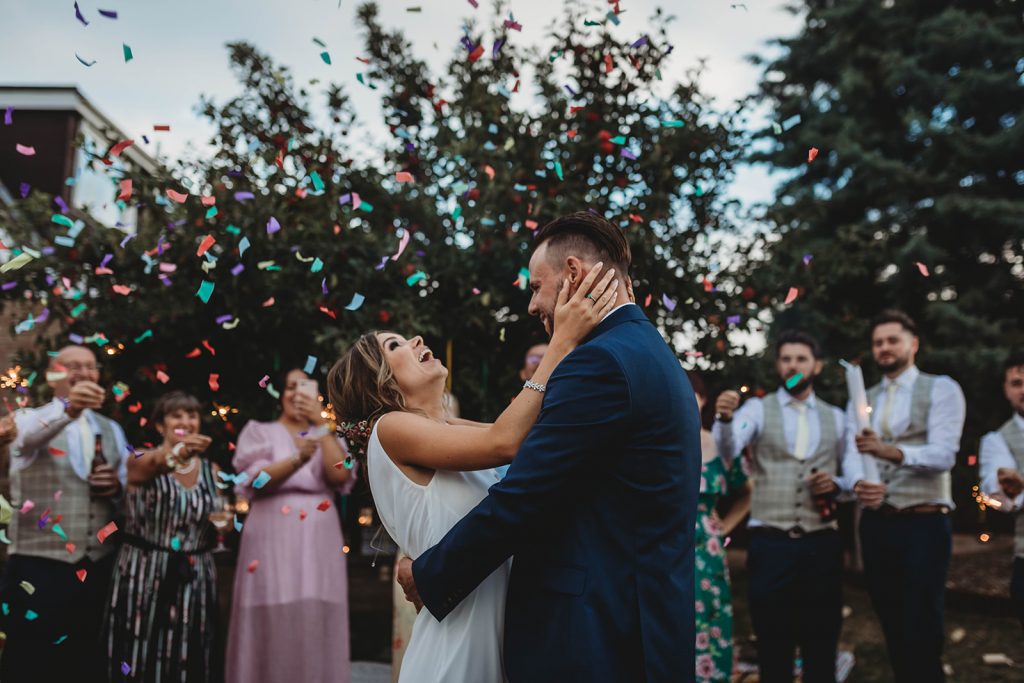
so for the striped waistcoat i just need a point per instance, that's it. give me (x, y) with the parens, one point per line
(906, 487)
(79, 516)
(1014, 438)
(781, 497)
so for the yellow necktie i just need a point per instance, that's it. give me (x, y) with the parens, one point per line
(886, 421)
(803, 431)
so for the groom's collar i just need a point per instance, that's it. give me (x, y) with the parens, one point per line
(623, 314)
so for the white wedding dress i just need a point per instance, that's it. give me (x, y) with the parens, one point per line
(465, 647)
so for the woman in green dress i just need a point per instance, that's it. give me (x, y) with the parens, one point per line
(713, 595)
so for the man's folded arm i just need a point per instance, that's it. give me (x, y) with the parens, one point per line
(585, 408)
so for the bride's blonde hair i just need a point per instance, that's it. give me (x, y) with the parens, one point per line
(362, 388)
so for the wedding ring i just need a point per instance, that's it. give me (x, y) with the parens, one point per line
(593, 301)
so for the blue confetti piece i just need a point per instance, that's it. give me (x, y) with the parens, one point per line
(669, 304)
(31, 615)
(357, 301)
(261, 480)
(310, 365)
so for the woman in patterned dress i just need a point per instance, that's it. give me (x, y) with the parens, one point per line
(163, 613)
(713, 595)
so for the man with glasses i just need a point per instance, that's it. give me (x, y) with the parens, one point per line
(68, 470)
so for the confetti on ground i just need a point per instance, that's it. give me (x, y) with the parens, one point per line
(106, 531)
(177, 196)
(261, 480)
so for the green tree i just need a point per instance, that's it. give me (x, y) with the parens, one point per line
(484, 176)
(914, 198)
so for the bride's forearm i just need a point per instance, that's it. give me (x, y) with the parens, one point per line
(515, 422)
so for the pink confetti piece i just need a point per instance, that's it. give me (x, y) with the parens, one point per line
(402, 244)
(791, 296)
(812, 154)
(120, 147)
(263, 382)
(25, 150)
(205, 245)
(106, 531)
(179, 197)
(922, 268)
(163, 377)
(403, 177)
(126, 190)
(26, 507)
(252, 566)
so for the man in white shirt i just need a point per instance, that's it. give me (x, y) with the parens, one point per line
(1002, 470)
(905, 531)
(803, 454)
(68, 471)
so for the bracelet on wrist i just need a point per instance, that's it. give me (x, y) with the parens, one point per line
(539, 388)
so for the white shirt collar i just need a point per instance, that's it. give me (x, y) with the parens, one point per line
(628, 303)
(905, 380)
(785, 398)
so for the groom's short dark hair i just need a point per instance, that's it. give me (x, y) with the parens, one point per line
(585, 234)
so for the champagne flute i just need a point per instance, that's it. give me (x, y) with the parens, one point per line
(221, 520)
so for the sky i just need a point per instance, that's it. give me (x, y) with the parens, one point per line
(179, 54)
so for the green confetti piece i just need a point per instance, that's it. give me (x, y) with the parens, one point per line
(31, 378)
(673, 124)
(272, 391)
(233, 229)
(211, 212)
(61, 219)
(558, 171)
(31, 615)
(317, 266)
(326, 57)
(366, 206)
(60, 532)
(145, 335)
(77, 310)
(205, 290)
(175, 544)
(457, 212)
(794, 380)
(524, 277)
(318, 184)
(6, 609)
(128, 56)
(618, 140)
(415, 277)
(60, 640)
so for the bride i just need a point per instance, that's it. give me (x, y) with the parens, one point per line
(426, 471)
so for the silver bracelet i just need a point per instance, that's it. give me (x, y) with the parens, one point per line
(536, 387)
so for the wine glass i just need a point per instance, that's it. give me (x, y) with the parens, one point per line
(221, 520)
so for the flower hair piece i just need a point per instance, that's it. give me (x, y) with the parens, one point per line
(357, 434)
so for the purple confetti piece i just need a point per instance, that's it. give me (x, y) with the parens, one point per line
(59, 201)
(237, 270)
(9, 116)
(50, 279)
(161, 245)
(76, 338)
(24, 189)
(166, 280)
(569, 89)
(125, 669)
(9, 285)
(669, 304)
(628, 154)
(273, 226)
(243, 196)
(467, 43)
(43, 316)
(420, 253)
(640, 43)
(127, 239)
(145, 139)
(106, 259)
(808, 258)
(78, 15)
(48, 251)
(221, 319)
(382, 263)
(733, 320)
(323, 286)
(110, 14)
(497, 46)
(343, 199)
(409, 147)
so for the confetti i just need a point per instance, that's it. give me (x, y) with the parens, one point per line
(205, 290)
(163, 376)
(108, 13)
(78, 15)
(125, 669)
(272, 226)
(177, 196)
(261, 480)
(9, 116)
(205, 245)
(31, 615)
(128, 56)
(403, 177)
(106, 531)
(922, 268)
(213, 381)
(27, 587)
(323, 505)
(357, 301)
(82, 574)
(310, 365)
(418, 276)
(791, 296)
(252, 566)
(812, 154)
(669, 304)
(794, 380)
(84, 62)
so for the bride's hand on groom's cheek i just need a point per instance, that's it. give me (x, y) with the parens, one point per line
(408, 584)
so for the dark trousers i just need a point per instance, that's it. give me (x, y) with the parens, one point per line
(906, 560)
(1017, 588)
(796, 599)
(62, 642)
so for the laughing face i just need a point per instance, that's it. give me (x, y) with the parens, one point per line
(178, 424)
(411, 361)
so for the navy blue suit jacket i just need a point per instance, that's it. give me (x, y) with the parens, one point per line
(598, 510)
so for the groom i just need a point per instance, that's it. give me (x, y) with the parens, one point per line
(598, 507)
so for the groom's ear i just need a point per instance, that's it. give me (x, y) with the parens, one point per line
(576, 273)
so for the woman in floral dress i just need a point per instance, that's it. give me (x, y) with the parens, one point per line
(713, 595)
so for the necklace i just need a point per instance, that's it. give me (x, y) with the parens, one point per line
(188, 468)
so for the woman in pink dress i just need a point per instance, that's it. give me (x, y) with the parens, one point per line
(289, 618)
